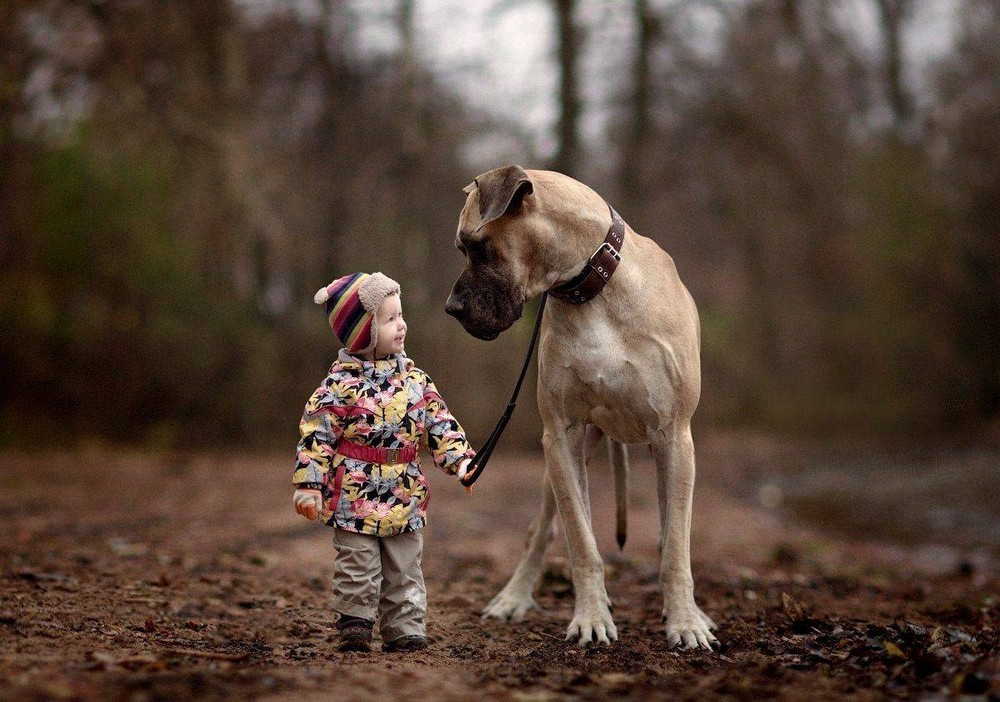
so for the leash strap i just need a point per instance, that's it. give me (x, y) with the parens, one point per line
(478, 464)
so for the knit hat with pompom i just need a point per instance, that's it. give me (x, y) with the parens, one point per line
(351, 303)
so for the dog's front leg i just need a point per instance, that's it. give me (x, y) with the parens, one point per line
(675, 470)
(517, 596)
(564, 459)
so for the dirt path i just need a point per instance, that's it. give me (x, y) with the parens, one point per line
(134, 577)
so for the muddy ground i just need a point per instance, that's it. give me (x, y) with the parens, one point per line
(126, 576)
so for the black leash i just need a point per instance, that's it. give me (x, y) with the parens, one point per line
(478, 464)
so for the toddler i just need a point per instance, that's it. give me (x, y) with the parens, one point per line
(357, 465)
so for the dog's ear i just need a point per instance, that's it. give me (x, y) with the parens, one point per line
(501, 190)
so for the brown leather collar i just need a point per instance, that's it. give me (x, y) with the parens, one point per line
(598, 269)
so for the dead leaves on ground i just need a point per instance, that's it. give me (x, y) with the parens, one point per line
(896, 656)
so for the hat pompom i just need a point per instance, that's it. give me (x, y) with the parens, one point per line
(321, 296)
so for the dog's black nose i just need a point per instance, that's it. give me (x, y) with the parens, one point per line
(454, 306)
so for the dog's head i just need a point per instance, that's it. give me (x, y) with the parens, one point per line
(495, 234)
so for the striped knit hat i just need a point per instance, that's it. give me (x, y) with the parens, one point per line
(351, 303)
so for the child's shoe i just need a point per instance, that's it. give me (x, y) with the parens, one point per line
(355, 634)
(405, 644)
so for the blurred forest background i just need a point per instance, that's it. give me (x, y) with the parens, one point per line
(178, 178)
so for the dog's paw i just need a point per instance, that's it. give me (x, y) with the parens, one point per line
(706, 620)
(592, 624)
(509, 606)
(690, 629)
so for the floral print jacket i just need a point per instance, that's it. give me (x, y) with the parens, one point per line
(387, 403)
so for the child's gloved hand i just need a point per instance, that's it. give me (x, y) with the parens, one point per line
(463, 469)
(308, 503)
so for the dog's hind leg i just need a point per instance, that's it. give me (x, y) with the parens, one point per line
(591, 440)
(618, 455)
(673, 451)
(517, 596)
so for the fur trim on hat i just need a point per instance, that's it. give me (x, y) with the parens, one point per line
(375, 289)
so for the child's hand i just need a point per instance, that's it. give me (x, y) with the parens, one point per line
(463, 469)
(308, 503)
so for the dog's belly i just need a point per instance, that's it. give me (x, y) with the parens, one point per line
(623, 427)
(618, 402)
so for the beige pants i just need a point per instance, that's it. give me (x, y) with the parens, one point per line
(381, 575)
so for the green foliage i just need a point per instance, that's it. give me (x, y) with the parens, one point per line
(117, 332)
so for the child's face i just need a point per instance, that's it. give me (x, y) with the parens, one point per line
(391, 327)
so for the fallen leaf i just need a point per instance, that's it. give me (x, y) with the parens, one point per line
(793, 608)
(893, 650)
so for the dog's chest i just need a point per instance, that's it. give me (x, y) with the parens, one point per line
(598, 359)
(614, 401)
(603, 382)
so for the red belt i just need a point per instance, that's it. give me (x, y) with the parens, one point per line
(371, 454)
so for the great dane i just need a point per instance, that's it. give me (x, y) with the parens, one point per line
(625, 365)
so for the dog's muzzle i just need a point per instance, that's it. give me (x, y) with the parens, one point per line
(455, 307)
(483, 322)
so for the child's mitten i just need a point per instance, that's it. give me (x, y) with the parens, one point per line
(308, 502)
(463, 469)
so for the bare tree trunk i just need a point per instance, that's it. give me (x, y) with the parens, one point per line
(630, 170)
(414, 139)
(893, 15)
(413, 136)
(567, 156)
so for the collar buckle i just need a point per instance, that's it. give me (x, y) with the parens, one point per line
(606, 246)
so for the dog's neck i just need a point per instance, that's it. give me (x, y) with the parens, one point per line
(570, 222)
(574, 235)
